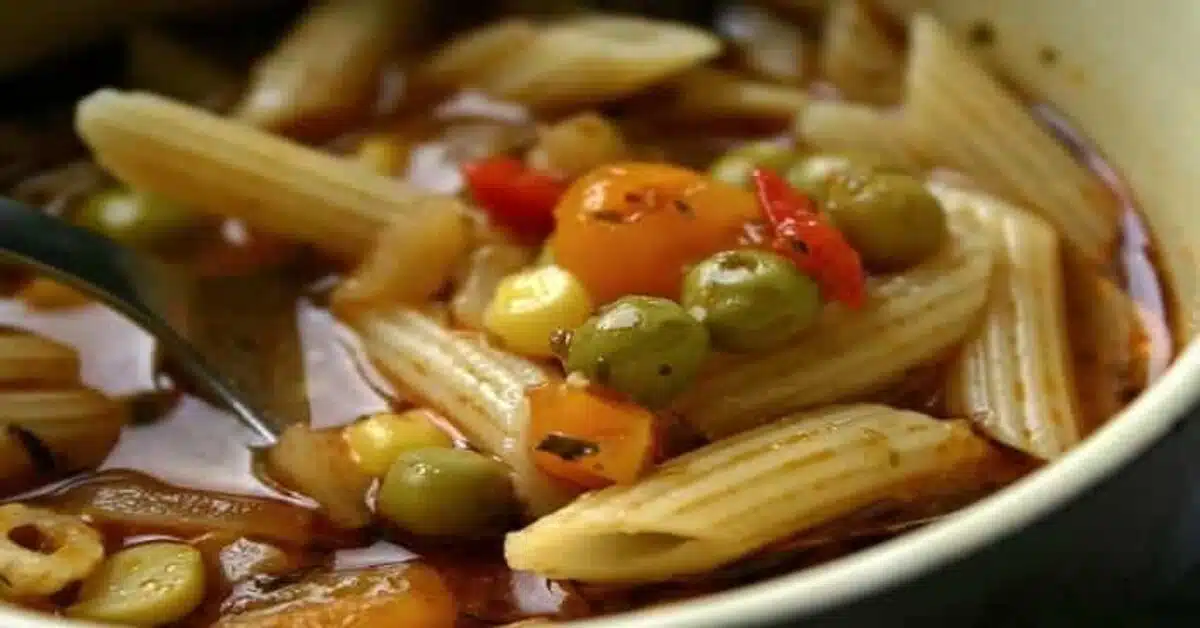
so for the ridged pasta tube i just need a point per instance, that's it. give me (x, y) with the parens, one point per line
(226, 168)
(1013, 376)
(909, 319)
(845, 127)
(481, 390)
(32, 359)
(732, 497)
(864, 62)
(960, 116)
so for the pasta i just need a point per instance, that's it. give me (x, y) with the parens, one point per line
(767, 45)
(319, 464)
(223, 167)
(727, 499)
(482, 389)
(910, 318)
(327, 68)
(578, 144)
(707, 93)
(1013, 376)
(595, 58)
(960, 116)
(861, 60)
(469, 58)
(32, 359)
(63, 430)
(851, 128)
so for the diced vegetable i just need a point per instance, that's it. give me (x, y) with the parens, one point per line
(736, 166)
(648, 348)
(136, 219)
(408, 595)
(529, 307)
(634, 228)
(750, 300)
(319, 464)
(379, 439)
(42, 551)
(145, 585)
(801, 234)
(236, 559)
(140, 505)
(890, 219)
(517, 197)
(588, 438)
(447, 493)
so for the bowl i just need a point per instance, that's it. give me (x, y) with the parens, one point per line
(1114, 520)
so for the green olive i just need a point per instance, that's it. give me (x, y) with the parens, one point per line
(890, 219)
(136, 219)
(750, 300)
(812, 174)
(646, 347)
(735, 166)
(145, 585)
(447, 492)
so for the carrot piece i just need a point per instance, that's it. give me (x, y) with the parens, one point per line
(635, 228)
(587, 438)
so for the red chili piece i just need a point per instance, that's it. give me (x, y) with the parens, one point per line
(513, 195)
(800, 233)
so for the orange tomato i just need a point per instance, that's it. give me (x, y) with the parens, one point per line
(635, 228)
(587, 438)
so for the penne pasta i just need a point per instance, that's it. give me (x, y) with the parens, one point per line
(1106, 334)
(767, 45)
(961, 117)
(226, 168)
(909, 319)
(1013, 376)
(487, 266)
(577, 144)
(732, 497)
(469, 58)
(326, 71)
(863, 61)
(53, 432)
(32, 359)
(482, 390)
(705, 93)
(843, 127)
(592, 59)
(320, 465)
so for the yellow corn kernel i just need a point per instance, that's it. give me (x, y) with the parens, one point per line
(379, 439)
(385, 154)
(528, 307)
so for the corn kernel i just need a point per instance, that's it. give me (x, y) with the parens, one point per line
(378, 440)
(530, 306)
(384, 154)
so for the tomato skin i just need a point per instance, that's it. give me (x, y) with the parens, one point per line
(517, 197)
(800, 233)
(635, 228)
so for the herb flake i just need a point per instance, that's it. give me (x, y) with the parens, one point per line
(568, 448)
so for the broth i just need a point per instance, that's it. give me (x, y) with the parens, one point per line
(199, 447)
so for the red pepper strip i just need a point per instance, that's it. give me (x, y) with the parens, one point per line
(513, 195)
(804, 236)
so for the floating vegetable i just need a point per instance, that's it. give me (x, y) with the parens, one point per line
(517, 197)
(634, 228)
(529, 307)
(648, 348)
(802, 235)
(145, 585)
(447, 492)
(588, 438)
(379, 439)
(890, 219)
(750, 300)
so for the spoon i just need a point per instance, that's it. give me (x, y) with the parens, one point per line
(148, 292)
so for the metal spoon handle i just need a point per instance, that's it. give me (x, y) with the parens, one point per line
(146, 291)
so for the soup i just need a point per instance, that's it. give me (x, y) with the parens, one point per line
(558, 314)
